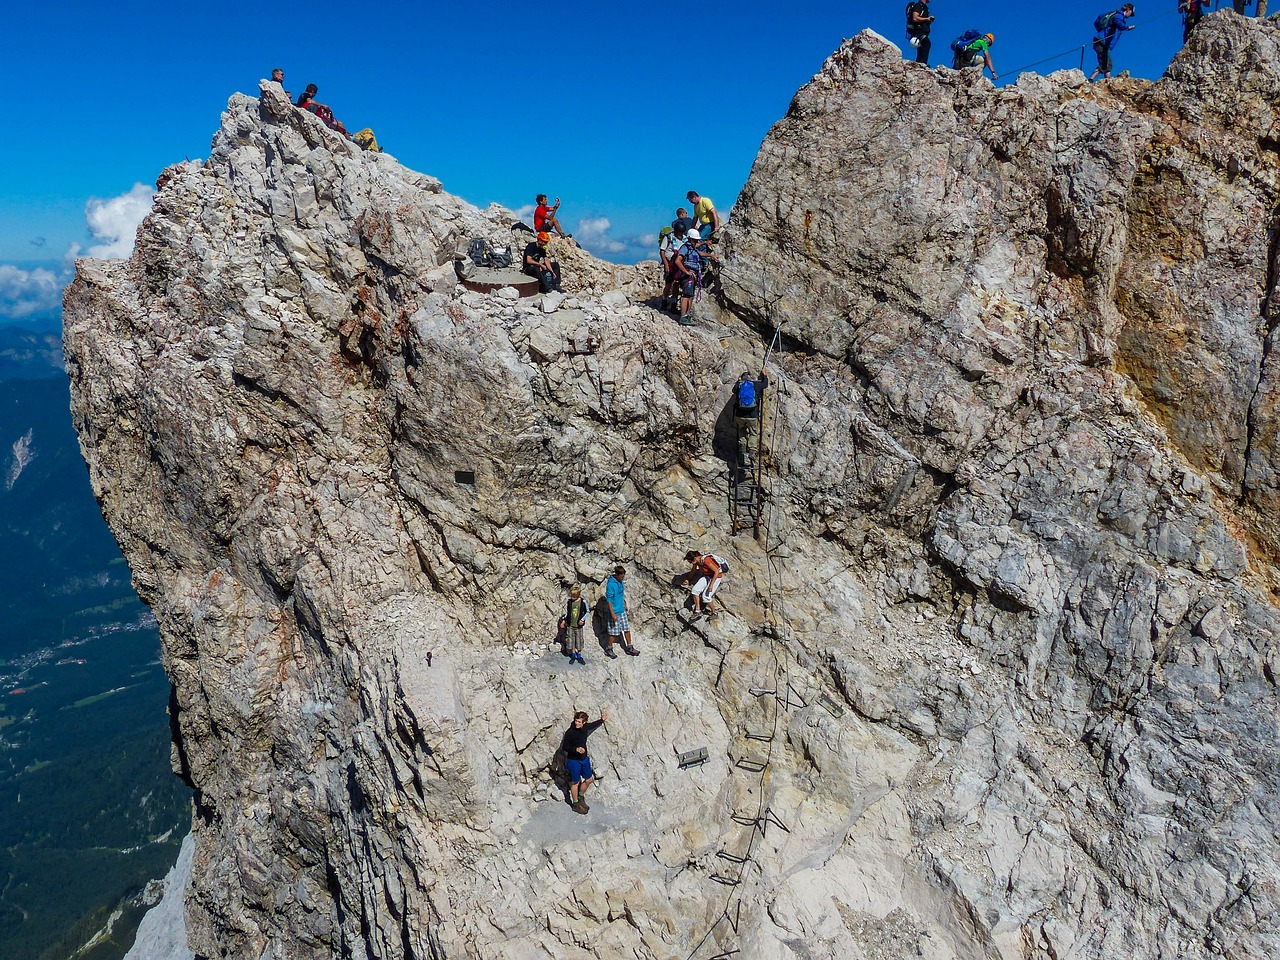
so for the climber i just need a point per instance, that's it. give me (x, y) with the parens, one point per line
(919, 21)
(689, 261)
(705, 219)
(682, 217)
(1192, 11)
(671, 239)
(1239, 5)
(972, 50)
(307, 101)
(577, 761)
(277, 76)
(1109, 27)
(615, 598)
(747, 395)
(575, 615)
(705, 573)
(544, 217)
(538, 263)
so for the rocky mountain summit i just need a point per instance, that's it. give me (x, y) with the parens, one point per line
(998, 680)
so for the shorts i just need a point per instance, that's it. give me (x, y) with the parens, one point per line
(579, 769)
(707, 590)
(574, 637)
(619, 626)
(689, 286)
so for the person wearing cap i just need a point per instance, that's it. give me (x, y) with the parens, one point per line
(1116, 24)
(976, 54)
(615, 608)
(705, 219)
(538, 263)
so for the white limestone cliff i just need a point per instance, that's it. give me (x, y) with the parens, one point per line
(999, 680)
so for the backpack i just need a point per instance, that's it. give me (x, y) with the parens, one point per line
(746, 394)
(962, 42)
(480, 251)
(914, 28)
(1105, 20)
(720, 562)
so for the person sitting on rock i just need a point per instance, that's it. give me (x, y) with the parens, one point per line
(538, 263)
(577, 761)
(705, 219)
(706, 571)
(544, 217)
(277, 76)
(976, 53)
(307, 101)
(669, 244)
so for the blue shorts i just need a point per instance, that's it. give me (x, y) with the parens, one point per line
(579, 769)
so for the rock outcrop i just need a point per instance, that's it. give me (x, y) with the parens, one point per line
(999, 680)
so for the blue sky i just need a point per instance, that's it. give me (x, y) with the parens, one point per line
(617, 108)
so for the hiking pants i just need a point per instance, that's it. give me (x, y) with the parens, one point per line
(1239, 5)
(922, 51)
(1104, 55)
(748, 432)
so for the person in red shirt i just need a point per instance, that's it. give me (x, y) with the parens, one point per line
(544, 217)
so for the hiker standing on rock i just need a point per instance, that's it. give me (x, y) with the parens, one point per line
(669, 244)
(706, 570)
(1109, 27)
(919, 22)
(576, 611)
(746, 414)
(538, 263)
(615, 598)
(577, 761)
(705, 219)
(689, 259)
(1192, 12)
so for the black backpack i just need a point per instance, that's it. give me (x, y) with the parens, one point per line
(1104, 21)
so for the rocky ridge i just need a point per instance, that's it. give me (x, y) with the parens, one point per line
(999, 680)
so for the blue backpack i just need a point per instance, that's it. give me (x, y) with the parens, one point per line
(963, 41)
(746, 394)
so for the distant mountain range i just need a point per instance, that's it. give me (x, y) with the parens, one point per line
(91, 809)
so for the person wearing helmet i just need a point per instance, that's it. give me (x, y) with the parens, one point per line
(689, 260)
(538, 263)
(1109, 27)
(976, 53)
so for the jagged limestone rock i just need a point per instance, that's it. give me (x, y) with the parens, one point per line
(1010, 653)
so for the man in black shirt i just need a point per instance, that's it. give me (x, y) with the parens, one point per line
(919, 21)
(538, 263)
(577, 762)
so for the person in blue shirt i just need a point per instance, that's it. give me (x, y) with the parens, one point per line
(1117, 23)
(615, 609)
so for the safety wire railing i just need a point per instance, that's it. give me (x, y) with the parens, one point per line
(781, 695)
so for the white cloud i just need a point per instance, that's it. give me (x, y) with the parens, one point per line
(114, 222)
(594, 233)
(24, 292)
(525, 213)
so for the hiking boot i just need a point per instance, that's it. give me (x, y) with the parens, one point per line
(631, 651)
(581, 807)
(685, 320)
(608, 652)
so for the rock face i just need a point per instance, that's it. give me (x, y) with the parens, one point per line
(999, 680)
